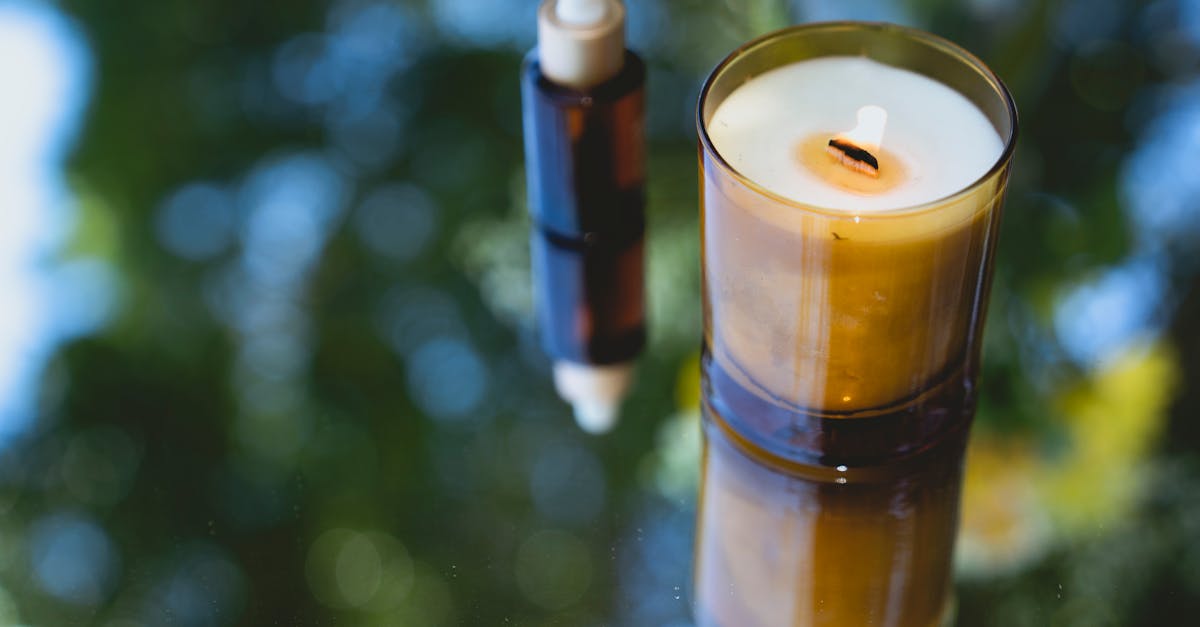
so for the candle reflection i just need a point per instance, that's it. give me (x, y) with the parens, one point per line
(809, 545)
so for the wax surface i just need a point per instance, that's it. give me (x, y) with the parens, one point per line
(945, 142)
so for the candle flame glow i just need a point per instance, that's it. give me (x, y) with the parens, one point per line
(868, 134)
(857, 148)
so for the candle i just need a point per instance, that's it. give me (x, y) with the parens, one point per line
(833, 289)
(852, 179)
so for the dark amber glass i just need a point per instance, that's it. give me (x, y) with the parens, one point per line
(585, 171)
(841, 351)
(799, 545)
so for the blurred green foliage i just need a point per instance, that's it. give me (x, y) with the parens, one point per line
(337, 414)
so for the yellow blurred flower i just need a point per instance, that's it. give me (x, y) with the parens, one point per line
(673, 467)
(687, 384)
(1018, 502)
(1003, 525)
(1113, 420)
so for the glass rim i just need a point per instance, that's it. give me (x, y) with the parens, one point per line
(934, 41)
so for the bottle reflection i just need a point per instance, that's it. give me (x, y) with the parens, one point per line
(789, 544)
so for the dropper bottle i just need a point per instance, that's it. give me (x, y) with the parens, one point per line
(583, 100)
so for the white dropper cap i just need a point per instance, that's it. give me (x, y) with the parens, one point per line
(595, 392)
(581, 43)
(580, 13)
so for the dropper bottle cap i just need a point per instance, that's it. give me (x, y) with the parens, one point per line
(581, 43)
(594, 391)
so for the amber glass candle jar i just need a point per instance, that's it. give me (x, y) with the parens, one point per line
(841, 349)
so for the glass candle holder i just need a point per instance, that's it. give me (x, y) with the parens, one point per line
(840, 355)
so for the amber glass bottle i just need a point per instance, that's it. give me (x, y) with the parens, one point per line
(585, 171)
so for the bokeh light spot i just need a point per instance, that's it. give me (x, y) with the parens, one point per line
(396, 576)
(409, 316)
(370, 138)
(205, 588)
(1097, 318)
(353, 569)
(447, 378)
(487, 24)
(553, 569)
(321, 567)
(292, 203)
(73, 559)
(1162, 196)
(275, 356)
(46, 69)
(1079, 21)
(302, 72)
(8, 609)
(567, 483)
(427, 603)
(86, 296)
(378, 34)
(869, 10)
(1189, 19)
(358, 570)
(197, 221)
(396, 220)
(655, 556)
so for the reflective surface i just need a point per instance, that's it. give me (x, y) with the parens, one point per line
(825, 546)
(267, 312)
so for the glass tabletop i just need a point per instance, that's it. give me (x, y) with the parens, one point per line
(267, 352)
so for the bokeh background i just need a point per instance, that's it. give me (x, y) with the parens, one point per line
(266, 352)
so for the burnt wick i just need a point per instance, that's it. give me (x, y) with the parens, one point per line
(853, 156)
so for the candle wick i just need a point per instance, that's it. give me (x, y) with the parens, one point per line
(853, 156)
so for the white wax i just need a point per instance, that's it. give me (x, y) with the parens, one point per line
(945, 141)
